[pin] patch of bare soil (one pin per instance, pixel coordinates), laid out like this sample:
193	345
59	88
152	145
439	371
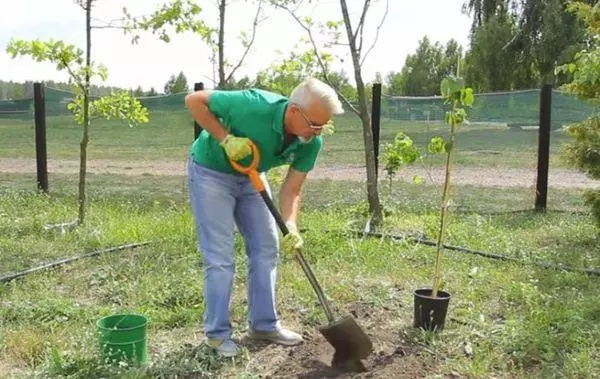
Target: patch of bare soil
393	356
477	176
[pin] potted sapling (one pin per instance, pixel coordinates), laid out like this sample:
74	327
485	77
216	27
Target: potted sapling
431	304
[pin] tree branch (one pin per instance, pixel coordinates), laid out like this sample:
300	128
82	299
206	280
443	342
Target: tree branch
70	71
107	27
360	27
321	63
254	27
387	8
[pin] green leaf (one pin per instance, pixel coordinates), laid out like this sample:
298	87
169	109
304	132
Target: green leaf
120	106
179	16
402	152
418	179
466	97
451	85
437	145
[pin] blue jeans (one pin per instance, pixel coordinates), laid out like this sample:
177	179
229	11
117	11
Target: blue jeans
218	201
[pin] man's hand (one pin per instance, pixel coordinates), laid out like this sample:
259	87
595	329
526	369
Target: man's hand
292	240
236	148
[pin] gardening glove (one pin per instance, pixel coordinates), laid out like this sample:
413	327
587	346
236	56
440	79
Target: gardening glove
236	148
292	240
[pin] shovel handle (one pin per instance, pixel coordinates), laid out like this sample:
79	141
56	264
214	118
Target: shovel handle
252	169
258	184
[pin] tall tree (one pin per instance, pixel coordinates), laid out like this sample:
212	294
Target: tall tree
81	70
545	35
425	69
484	10
355	43
138	92
490	65
550	33
394	82
176	84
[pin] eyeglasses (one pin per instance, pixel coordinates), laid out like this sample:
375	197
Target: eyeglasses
308	121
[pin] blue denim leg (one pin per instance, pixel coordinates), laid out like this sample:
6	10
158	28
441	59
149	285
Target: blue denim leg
260	233
212	196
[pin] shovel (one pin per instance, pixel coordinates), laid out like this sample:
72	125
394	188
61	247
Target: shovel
350	342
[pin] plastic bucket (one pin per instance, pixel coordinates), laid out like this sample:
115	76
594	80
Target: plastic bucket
122	337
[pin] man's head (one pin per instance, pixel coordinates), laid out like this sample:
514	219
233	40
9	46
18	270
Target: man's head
311	105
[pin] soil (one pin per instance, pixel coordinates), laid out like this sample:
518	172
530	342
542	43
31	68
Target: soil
393	355
479	176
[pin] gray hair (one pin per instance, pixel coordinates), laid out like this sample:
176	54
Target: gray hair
313	89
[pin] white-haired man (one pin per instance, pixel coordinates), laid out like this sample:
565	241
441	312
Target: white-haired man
286	131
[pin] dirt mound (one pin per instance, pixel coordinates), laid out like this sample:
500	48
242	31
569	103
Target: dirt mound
393	355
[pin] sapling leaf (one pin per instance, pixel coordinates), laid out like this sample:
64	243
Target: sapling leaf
467	97
449	117
437	145
451	85
417	179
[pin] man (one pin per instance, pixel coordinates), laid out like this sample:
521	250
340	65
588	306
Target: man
286	131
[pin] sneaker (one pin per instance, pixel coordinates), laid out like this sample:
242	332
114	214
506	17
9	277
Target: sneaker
280	336
225	348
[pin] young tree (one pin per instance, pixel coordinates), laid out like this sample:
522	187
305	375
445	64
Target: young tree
120	105
355	43
584	151
183	15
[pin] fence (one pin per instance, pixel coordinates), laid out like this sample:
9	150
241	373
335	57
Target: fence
509	134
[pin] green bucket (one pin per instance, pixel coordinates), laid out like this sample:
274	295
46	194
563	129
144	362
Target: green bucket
123	338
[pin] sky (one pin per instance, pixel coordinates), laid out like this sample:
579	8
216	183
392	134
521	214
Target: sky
151	62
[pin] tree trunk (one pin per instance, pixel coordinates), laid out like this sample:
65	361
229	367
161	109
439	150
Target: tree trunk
86	115
221	43
372	191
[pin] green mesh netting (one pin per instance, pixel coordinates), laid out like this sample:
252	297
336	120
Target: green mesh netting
21	109
515	108
57	101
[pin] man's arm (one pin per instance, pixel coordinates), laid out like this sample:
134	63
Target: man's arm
197	103
290	195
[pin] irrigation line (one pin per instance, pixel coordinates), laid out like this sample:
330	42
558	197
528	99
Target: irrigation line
407	236
402	237
94	253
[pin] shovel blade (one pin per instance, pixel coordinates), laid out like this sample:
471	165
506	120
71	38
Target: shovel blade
348	339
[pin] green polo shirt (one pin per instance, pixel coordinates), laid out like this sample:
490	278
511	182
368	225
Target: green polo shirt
257	115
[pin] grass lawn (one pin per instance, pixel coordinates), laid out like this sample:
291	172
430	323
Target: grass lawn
519	320
169	134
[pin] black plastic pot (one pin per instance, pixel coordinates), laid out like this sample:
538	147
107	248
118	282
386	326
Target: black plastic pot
430	312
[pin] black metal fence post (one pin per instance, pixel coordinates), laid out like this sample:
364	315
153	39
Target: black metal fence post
197	128
376	123
541	192
40	136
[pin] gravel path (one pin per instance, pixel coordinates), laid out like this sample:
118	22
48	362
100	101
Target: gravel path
489	177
